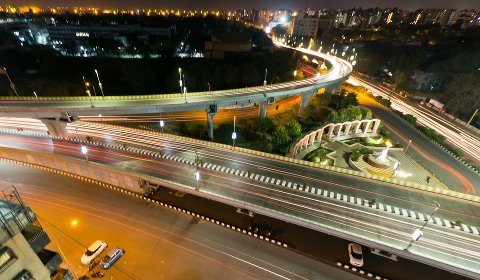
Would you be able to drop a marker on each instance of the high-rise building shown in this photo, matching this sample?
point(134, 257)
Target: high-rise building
point(311, 26)
point(22, 242)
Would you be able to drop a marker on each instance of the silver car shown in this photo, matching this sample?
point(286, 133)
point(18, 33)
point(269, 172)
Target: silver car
point(111, 257)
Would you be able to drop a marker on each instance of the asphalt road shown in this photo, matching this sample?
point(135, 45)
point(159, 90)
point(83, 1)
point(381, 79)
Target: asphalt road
point(160, 243)
point(452, 172)
point(354, 220)
point(166, 244)
point(350, 185)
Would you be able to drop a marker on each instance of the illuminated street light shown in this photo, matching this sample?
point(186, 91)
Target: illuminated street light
point(84, 151)
point(197, 178)
point(295, 73)
point(162, 124)
point(419, 232)
point(88, 91)
point(34, 93)
point(265, 80)
point(99, 83)
point(234, 134)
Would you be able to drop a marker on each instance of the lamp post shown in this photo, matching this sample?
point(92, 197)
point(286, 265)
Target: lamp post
point(84, 151)
point(197, 173)
point(405, 151)
point(418, 232)
point(12, 85)
point(99, 83)
point(234, 134)
point(265, 80)
point(88, 91)
point(180, 79)
point(162, 124)
point(473, 116)
point(197, 178)
point(36, 96)
point(185, 92)
point(209, 88)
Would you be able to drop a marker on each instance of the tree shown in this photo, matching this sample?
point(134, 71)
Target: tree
point(294, 128)
point(343, 99)
point(411, 119)
point(346, 114)
point(350, 99)
point(366, 113)
point(280, 136)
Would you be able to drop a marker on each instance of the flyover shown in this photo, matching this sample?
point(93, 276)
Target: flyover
point(441, 246)
point(66, 108)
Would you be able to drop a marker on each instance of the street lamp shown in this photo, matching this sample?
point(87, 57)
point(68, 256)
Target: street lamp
point(197, 178)
point(100, 116)
point(162, 124)
point(209, 88)
point(88, 91)
point(12, 85)
point(265, 80)
point(84, 151)
point(99, 83)
point(405, 151)
point(294, 73)
point(234, 134)
point(185, 92)
point(34, 93)
point(419, 232)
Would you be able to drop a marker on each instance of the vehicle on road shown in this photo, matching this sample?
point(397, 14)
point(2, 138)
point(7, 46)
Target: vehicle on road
point(93, 251)
point(111, 257)
point(355, 254)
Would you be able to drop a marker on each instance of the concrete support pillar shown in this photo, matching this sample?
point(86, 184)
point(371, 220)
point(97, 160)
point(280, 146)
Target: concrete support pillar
point(56, 128)
point(375, 126)
point(210, 124)
point(333, 88)
point(305, 99)
point(319, 135)
point(357, 126)
point(339, 131)
point(348, 126)
point(263, 108)
point(330, 131)
point(367, 126)
point(311, 138)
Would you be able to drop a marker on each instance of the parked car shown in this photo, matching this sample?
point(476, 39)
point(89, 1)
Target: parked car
point(93, 251)
point(355, 254)
point(111, 257)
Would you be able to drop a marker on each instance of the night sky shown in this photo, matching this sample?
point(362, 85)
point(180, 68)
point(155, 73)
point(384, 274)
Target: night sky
point(248, 4)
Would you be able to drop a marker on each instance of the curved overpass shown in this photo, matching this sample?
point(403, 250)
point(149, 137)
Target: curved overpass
point(57, 107)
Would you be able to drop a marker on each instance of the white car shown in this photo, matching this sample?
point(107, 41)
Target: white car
point(355, 254)
point(93, 251)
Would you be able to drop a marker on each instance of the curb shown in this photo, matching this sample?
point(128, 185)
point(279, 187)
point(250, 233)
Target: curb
point(360, 272)
point(156, 202)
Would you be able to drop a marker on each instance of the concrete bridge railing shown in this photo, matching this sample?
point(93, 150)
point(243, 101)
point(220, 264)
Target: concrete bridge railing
point(334, 131)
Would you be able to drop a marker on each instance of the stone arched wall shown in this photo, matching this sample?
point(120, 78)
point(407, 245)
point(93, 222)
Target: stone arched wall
point(337, 130)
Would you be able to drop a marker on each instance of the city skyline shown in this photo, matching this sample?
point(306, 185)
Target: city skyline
point(248, 4)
